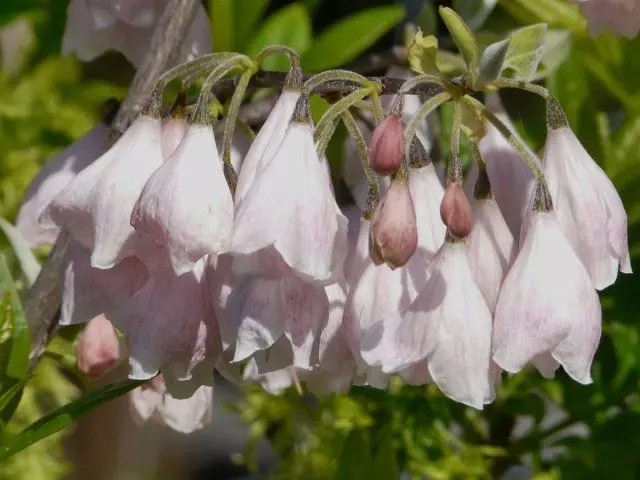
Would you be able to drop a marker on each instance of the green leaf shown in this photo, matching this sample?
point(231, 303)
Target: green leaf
point(290, 26)
point(28, 263)
point(552, 12)
point(8, 395)
point(423, 54)
point(345, 40)
point(525, 51)
point(427, 19)
point(462, 36)
point(246, 14)
point(63, 417)
point(385, 465)
point(491, 63)
point(10, 10)
point(17, 365)
point(474, 13)
point(355, 459)
point(221, 15)
point(473, 123)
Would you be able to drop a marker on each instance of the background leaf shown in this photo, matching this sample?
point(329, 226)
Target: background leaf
point(17, 365)
point(345, 40)
point(246, 14)
point(290, 26)
point(475, 12)
point(28, 263)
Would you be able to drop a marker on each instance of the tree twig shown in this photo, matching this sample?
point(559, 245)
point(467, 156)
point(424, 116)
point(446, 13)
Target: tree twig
point(42, 302)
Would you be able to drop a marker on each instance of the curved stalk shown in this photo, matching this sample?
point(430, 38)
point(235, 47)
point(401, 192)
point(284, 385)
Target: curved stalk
point(426, 109)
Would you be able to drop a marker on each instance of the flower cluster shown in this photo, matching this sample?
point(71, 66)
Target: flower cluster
point(264, 277)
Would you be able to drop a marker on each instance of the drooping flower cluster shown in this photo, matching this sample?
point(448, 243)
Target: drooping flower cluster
point(423, 281)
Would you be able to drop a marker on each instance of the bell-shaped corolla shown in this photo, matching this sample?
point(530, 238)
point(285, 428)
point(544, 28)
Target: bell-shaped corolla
point(622, 17)
point(186, 204)
point(548, 312)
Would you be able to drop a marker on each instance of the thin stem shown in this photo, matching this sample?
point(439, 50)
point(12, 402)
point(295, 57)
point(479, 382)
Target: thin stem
point(269, 50)
point(201, 114)
point(426, 109)
point(454, 172)
point(512, 138)
point(336, 111)
point(521, 85)
point(192, 69)
point(335, 76)
point(361, 144)
point(376, 104)
point(412, 83)
point(245, 129)
point(232, 113)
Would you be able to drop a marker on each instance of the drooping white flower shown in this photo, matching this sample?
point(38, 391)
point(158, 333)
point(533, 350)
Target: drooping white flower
point(267, 142)
point(185, 415)
point(95, 26)
point(174, 129)
point(547, 305)
point(290, 208)
point(186, 204)
point(491, 248)
point(619, 16)
point(170, 325)
point(448, 326)
point(89, 291)
point(54, 176)
point(512, 181)
point(587, 207)
point(96, 206)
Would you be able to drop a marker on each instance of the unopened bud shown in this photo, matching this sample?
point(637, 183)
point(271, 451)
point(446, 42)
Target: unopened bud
point(173, 131)
point(455, 210)
point(98, 350)
point(394, 235)
point(386, 149)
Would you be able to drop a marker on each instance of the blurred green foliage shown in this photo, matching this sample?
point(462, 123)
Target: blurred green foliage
point(558, 428)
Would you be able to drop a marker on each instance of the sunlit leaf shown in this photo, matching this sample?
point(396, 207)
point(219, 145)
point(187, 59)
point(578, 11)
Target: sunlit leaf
point(63, 417)
point(462, 36)
point(491, 63)
point(28, 263)
point(17, 364)
point(345, 40)
point(422, 54)
point(525, 51)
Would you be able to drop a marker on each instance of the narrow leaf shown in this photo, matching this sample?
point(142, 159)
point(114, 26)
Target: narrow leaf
point(18, 362)
point(427, 19)
point(344, 41)
point(384, 462)
point(290, 26)
point(64, 416)
point(246, 14)
point(355, 459)
point(221, 14)
point(526, 46)
point(462, 36)
point(491, 63)
point(10, 393)
point(474, 13)
point(28, 263)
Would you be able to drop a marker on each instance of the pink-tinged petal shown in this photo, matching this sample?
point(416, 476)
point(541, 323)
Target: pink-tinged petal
point(491, 249)
point(137, 13)
point(587, 206)
point(184, 415)
point(90, 291)
point(98, 349)
point(170, 324)
point(427, 193)
point(373, 377)
point(256, 309)
point(565, 318)
point(416, 374)
point(81, 35)
point(173, 131)
point(186, 204)
point(54, 176)
point(621, 17)
point(266, 143)
point(512, 181)
point(306, 308)
point(221, 283)
point(273, 382)
point(291, 207)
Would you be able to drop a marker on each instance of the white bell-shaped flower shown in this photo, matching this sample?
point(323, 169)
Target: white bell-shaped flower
point(587, 207)
point(291, 208)
point(547, 305)
point(96, 206)
point(54, 176)
point(621, 17)
point(186, 205)
point(267, 142)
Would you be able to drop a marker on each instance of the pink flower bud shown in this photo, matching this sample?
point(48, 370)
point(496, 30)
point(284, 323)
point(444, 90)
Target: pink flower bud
point(394, 234)
point(455, 211)
point(98, 350)
point(173, 131)
point(386, 148)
